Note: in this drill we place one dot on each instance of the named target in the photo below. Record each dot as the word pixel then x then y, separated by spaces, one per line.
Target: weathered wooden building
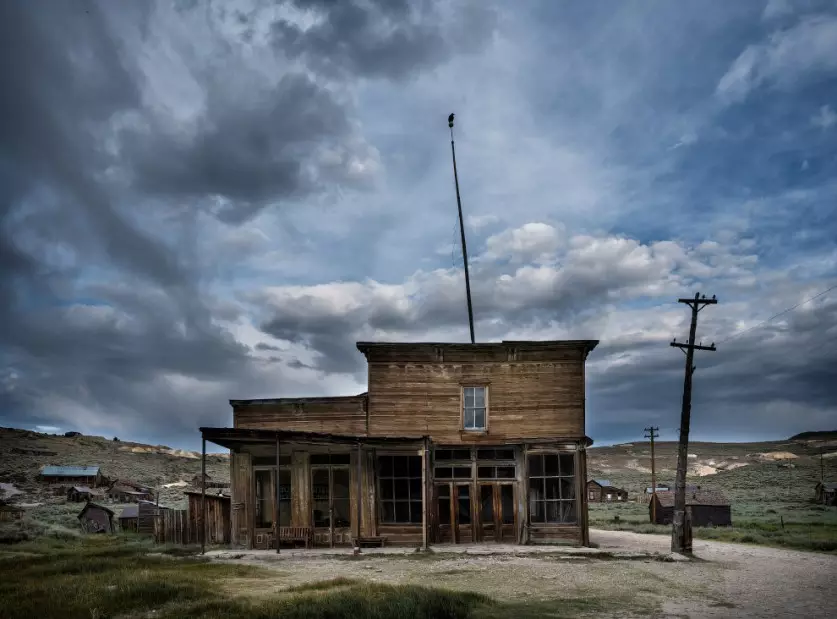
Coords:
pixel 602 491
pixel 77 494
pixel 9 512
pixel 452 443
pixel 90 476
pixel 128 518
pixel 217 513
pixel 826 493
pixel 708 508
pixel 95 518
pixel 128 494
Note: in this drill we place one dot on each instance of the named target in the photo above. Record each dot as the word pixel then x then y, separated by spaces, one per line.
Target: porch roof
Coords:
pixel 232 437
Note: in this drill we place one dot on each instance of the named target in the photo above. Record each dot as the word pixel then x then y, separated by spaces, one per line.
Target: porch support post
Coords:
pixel 203 494
pixel 524 486
pixel 425 478
pixel 359 497
pixel 276 499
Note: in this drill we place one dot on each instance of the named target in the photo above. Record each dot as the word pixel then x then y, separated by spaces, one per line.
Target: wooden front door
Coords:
pixel 330 505
pixel 454 513
pixel 496 512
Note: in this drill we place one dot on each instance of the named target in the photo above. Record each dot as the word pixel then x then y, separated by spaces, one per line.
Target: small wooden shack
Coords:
pixel 95 518
pixel 128 494
pixel 826 493
pixel 217 516
pixel 10 512
pixel 77 494
pixel 90 476
pixel 210 483
pixel 128 518
pixel 602 491
pixel 708 507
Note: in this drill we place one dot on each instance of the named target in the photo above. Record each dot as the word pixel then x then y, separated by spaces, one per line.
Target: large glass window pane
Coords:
pixel 479 397
pixel 536 511
pixel 550 465
pixel 402 489
pixel 568 514
pixel 443 473
pixel 567 488
pixel 444 508
pixel 505 472
pixel 415 511
pixel 385 466
pixel 485 472
pixel 535 466
pixel 461 454
pixel 469 418
pixel 400 481
pixel 552 490
pixel 415 489
pixel 567 464
pixel 479 418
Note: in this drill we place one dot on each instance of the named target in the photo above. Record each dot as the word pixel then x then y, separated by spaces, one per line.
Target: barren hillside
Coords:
pixel 23 453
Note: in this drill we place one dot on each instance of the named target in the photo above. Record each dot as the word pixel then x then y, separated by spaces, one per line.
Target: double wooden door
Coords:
pixel 464 515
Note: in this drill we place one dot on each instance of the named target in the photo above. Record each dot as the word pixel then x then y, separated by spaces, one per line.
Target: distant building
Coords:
pixel 10 512
pixel 826 493
pixel 646 497
pixel 95 518
pixel 90 476
pixel 77 494
pixel 708 507
pixel 72 434
pixel 210 483
pixel 602 491
pixel 128 519
pixel 127 494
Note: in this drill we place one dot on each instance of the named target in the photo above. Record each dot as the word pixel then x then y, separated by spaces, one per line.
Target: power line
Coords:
pixel 782 313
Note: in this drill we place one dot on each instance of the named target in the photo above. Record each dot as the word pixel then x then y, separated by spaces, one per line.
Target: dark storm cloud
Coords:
pixel 381 38
pixel 248 153
pixel 107 317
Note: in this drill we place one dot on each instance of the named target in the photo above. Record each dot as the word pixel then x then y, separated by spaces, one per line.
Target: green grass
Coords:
pixel 799 526
pixel 102 577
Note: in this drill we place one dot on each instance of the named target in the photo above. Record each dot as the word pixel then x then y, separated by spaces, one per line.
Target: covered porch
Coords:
pixel 315 489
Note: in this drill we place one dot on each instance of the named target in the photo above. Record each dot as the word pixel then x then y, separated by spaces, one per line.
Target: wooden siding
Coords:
pixel 526 400
pixel 242 501
pixel 335 415
pixel 218 527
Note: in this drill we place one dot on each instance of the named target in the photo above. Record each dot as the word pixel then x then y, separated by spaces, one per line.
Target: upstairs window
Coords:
pixel 474 408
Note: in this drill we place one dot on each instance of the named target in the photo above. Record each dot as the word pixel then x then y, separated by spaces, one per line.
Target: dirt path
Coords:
pixel 728 580
pixel 761 582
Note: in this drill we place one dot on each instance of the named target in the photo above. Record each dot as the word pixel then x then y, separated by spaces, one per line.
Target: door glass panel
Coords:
pixel 463 506
pixel 284 498
pixel 507 503
pixel 319 492
pixel 487 504
pixel 340 491
pixel 444 503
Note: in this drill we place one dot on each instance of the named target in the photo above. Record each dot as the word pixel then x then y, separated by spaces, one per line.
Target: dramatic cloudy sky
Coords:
pixel 213 200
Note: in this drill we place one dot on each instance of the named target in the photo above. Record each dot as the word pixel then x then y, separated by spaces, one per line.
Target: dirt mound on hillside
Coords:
pixel 778 455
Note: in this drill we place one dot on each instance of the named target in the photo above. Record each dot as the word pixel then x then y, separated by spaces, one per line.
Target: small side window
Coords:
pixel 474 408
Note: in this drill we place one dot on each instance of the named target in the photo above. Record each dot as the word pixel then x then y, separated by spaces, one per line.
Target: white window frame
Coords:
pixel 469 407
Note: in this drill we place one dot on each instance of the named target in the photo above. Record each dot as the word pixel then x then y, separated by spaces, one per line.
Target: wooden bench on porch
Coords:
pixel 370 541
pixel 296 534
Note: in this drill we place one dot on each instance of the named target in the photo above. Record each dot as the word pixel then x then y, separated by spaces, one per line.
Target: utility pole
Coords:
pixel 681 533
pixel 652 434
pixel 462 233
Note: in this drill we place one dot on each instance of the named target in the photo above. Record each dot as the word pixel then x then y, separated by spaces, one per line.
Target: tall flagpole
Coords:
pixel 462 233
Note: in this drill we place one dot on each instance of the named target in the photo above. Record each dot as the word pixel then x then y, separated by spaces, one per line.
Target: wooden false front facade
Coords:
pixel 453 443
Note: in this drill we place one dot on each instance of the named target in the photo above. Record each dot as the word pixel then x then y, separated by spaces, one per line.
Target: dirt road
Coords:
pixel 761 582
pixel 726 580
